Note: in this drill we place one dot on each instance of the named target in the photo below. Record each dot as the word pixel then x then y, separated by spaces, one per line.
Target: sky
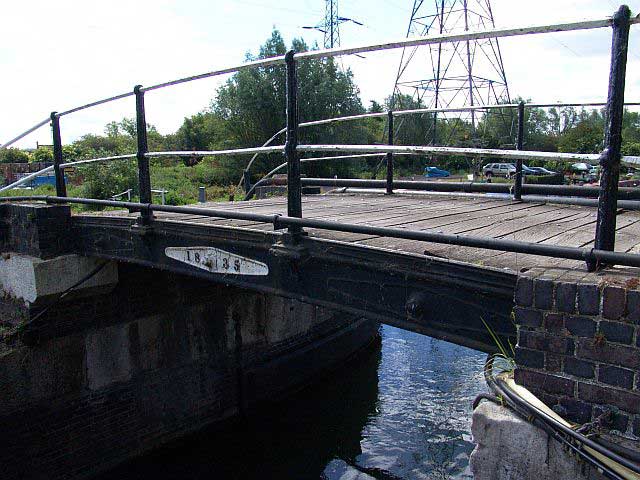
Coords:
pixel 58 55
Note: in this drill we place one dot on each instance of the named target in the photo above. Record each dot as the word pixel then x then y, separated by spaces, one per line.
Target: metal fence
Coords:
pixel 610 159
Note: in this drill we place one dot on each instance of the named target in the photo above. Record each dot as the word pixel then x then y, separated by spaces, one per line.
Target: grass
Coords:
pixel 506 353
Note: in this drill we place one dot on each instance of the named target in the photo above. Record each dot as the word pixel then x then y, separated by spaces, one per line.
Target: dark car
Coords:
pixel 433 172
pixel 541 171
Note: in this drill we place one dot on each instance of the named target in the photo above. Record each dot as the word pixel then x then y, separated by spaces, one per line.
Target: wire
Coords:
pixel 84 279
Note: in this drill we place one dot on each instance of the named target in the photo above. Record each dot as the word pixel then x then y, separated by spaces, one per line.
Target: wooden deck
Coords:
pixel 482 216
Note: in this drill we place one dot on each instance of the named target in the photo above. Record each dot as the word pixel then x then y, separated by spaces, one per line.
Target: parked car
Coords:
pixel 528 170
pixel 499 170
pixel 593 175
pixel 541 171
pixel 580 167
pixel 433 172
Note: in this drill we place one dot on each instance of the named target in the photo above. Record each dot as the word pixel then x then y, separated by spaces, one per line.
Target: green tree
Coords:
pixel 251 106
pixel 13 155
pixel 43 154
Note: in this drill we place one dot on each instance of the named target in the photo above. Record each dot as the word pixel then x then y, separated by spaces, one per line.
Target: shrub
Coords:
pixel 13 155
pixel 557 179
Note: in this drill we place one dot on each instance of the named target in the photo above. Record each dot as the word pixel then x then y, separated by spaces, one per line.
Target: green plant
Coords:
pixel 507 352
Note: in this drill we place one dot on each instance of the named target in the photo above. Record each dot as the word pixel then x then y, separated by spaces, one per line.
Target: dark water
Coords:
pixel 402 410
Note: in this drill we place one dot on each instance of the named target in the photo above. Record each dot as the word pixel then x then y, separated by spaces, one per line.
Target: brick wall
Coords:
pixel 100 379
pixel 579 348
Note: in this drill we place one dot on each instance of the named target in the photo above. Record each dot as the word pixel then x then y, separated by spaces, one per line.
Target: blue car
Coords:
pixel 433 172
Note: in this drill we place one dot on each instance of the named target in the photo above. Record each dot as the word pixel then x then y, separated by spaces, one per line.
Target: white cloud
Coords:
pixel 57 55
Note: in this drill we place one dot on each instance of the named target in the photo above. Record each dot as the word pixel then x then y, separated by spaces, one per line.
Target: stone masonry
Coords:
pixel 579 346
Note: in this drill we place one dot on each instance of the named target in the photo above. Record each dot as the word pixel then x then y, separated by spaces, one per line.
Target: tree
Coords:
pixel 586 136
pixel 43 154
pixel 13 155
pixel 251 106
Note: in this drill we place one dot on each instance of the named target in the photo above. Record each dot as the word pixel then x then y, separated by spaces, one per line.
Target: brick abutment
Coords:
pixel 101 378
pixel 579 346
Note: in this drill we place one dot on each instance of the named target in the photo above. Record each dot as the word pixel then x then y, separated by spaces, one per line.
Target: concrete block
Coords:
pixel 31 279
pixel 510 448
pixel 108 356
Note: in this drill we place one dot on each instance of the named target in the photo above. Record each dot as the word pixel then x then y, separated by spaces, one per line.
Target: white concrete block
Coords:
pixel 31 278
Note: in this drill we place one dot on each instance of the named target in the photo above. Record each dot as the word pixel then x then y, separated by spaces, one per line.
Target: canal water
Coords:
pixel 400 411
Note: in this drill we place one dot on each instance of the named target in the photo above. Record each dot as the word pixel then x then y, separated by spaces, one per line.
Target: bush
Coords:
pixel 103 180
pixel 557 179
pixel 13 155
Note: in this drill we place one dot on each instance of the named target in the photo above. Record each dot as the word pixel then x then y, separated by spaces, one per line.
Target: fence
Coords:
pixel 610 159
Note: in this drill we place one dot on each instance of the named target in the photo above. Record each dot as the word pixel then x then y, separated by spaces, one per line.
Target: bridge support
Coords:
pixel 578 346
pixel 99 379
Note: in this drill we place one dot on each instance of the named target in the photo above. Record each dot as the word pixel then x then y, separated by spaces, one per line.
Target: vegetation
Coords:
pixel 248 109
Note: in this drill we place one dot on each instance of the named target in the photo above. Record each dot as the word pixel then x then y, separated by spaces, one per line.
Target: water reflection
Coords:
pixel 401 411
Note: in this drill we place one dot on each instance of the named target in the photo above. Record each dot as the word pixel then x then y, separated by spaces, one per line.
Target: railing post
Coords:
pixel 246 179
pixel 294 188
pixel 390 155
pixel 610 158
pixel 517 187
pixel 61 187
pixel 144 177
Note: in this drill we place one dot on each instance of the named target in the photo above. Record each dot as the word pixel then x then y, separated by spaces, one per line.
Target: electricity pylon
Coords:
pixel 448 75
pixel 330 24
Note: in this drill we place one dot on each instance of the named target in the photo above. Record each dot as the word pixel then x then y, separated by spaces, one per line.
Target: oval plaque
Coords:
pixel 216 260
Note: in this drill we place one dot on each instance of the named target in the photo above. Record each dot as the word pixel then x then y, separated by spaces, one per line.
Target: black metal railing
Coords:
pixel 610 159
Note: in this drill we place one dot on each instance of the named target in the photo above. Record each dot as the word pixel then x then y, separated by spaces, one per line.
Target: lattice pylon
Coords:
pixel 466 73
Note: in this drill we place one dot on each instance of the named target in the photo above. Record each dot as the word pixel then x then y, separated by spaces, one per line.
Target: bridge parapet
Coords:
pixel 579 346
pixel 35 229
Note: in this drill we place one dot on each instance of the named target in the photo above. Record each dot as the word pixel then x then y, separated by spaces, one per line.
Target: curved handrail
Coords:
pixel 326 53
pixel 26 132
pixel 26 179
pixel 592 158
pixel 268 175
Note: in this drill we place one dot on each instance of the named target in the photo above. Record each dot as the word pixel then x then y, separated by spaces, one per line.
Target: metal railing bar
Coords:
pixel 418 111
pixel 279 60
pixel 96 103
pixel 433 39
pixel 213 153
pixel 101 159
pixel 279 222
pixel 625 193
pixel 583 104
pixel 410 42
pixel 268 175
pixel 26 179
pixel 26 132
pixel 452 151
pixel 458 37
